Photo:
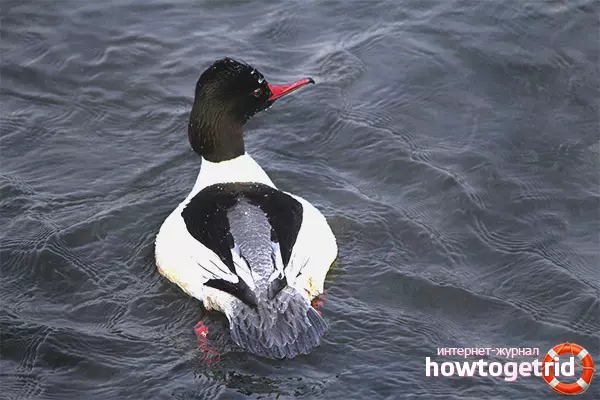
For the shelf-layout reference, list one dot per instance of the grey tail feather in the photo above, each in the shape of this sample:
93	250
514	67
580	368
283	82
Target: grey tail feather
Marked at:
282	327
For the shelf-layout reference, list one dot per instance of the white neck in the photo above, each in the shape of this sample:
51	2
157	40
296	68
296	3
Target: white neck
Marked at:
239	169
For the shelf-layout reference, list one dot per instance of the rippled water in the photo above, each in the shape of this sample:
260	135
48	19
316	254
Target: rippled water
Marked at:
453	146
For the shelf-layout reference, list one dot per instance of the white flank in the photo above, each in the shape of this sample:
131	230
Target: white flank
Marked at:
314	252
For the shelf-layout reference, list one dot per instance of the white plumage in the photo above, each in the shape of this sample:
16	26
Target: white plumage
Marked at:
189	264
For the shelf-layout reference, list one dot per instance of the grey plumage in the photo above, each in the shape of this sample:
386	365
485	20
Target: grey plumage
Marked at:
283	327
283	323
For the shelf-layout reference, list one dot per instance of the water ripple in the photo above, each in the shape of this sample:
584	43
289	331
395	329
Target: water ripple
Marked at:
452	147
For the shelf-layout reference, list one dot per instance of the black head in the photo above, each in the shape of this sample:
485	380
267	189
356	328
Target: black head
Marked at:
227	94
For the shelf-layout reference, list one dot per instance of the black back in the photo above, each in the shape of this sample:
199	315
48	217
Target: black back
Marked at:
206	220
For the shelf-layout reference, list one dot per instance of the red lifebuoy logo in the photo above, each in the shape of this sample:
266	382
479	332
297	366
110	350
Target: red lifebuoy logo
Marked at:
582	383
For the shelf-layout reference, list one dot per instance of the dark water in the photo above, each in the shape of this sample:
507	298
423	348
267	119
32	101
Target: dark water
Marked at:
453	146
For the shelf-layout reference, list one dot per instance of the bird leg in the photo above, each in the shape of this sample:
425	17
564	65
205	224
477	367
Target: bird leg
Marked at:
210	355
317	302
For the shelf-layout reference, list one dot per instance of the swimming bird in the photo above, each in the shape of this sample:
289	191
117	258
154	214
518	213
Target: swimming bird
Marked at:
238	243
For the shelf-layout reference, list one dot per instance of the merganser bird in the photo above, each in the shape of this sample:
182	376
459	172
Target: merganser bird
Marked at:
237	243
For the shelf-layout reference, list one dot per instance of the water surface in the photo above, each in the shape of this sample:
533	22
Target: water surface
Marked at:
452	145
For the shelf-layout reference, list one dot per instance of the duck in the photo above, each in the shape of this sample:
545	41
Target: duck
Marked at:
237	243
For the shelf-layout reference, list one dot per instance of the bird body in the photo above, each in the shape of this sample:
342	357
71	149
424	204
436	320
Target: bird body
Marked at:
237	243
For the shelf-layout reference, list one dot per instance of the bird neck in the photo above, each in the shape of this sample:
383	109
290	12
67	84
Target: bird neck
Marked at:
214	136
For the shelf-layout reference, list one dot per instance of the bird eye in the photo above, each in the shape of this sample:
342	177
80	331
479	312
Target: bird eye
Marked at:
257	92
